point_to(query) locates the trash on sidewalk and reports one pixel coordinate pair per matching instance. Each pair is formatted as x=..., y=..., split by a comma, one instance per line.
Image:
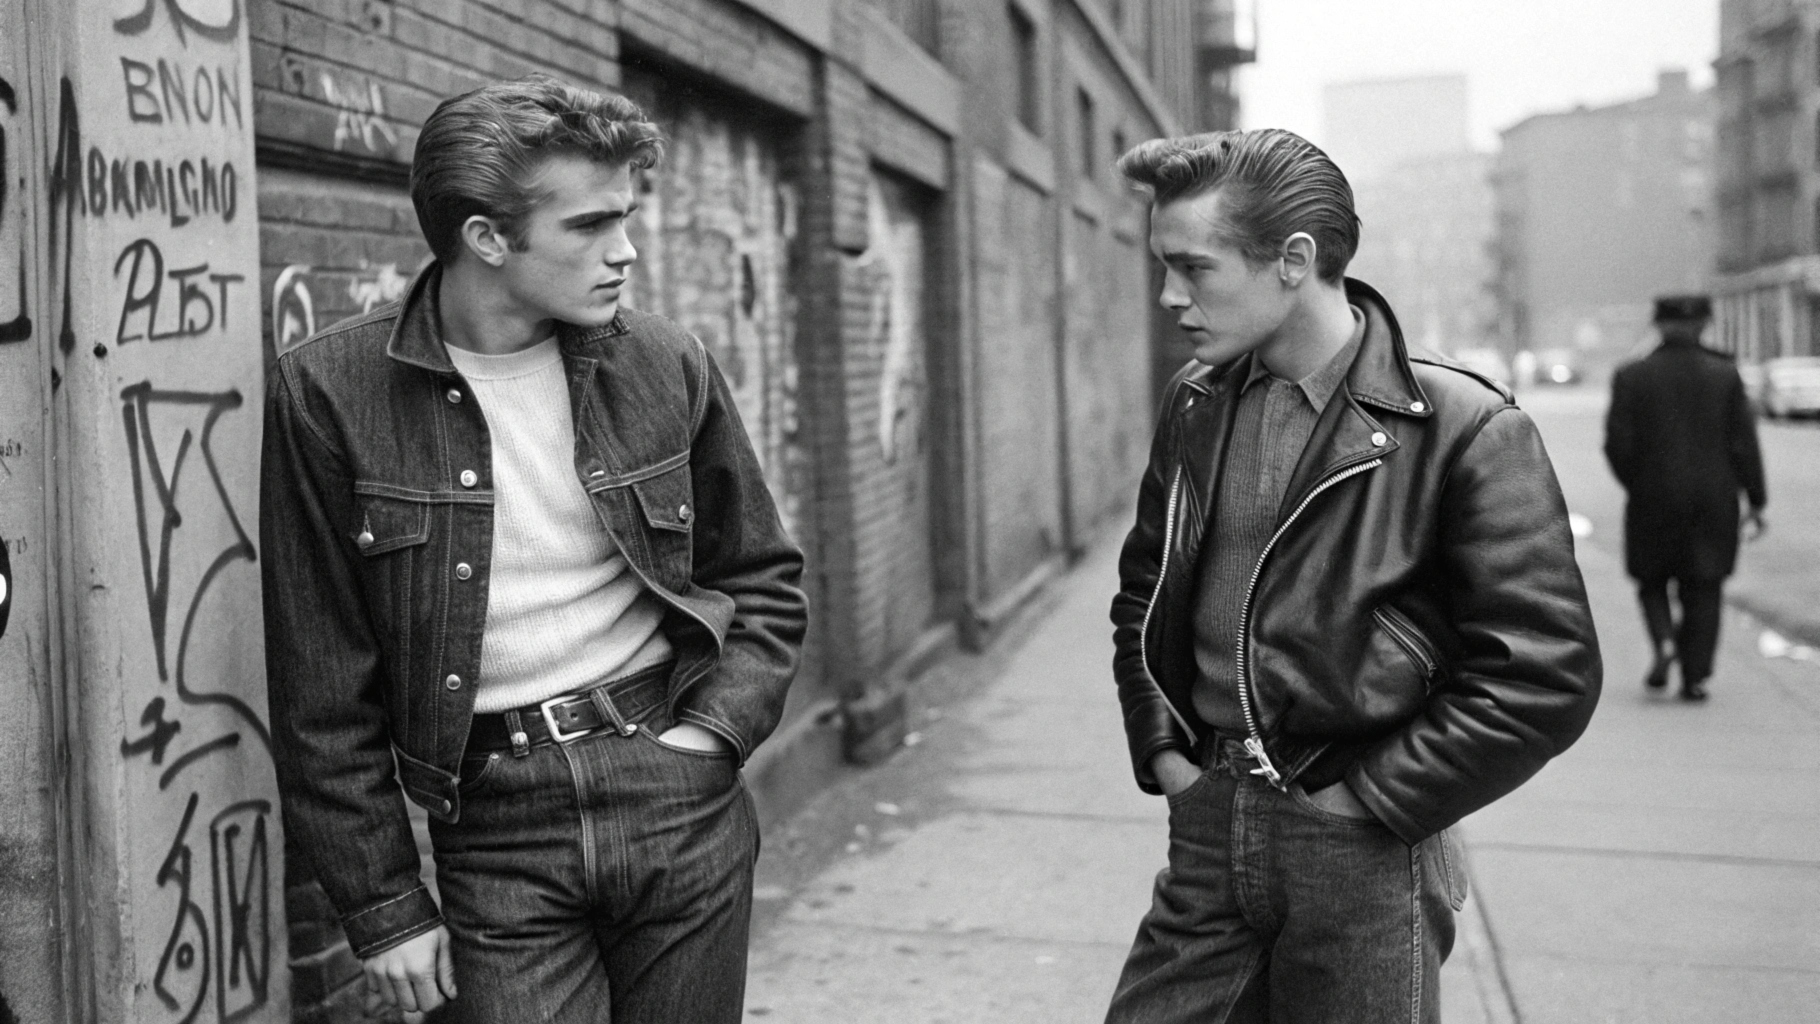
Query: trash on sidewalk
x=1771, y=644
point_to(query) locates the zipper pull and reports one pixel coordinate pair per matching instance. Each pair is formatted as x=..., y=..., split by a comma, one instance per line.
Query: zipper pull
x=1255, y=747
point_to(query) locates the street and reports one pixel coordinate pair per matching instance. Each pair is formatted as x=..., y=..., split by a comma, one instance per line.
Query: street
x=1667, y=868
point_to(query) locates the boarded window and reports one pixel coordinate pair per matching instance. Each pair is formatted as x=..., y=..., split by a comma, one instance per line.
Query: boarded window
x=1089, y=134
x=1029, y=96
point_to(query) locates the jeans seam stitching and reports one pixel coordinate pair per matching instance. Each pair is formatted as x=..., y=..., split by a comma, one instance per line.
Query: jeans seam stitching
x=1415, y=928
x=587, y=828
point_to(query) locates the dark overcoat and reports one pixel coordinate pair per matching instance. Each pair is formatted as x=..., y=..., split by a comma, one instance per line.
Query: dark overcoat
x=1682, y=441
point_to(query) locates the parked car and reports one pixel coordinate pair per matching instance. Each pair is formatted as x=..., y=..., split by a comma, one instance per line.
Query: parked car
x=1558, y=366
x=1790, y=386
x=1487, y=362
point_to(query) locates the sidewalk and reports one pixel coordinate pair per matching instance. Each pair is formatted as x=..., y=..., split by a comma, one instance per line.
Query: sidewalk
x=1663, y=870
x=996, y=871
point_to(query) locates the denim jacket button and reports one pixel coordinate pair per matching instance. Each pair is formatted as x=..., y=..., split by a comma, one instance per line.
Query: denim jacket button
x=453, y=682
x=454, y=396
x=463, y=570
x=469, y=478
x=685, y=513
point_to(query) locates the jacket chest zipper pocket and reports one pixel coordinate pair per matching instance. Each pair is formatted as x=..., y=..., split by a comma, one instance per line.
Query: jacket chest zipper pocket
x=1410, y=639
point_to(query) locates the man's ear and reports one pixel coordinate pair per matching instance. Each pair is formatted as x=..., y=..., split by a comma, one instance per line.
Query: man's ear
x=1299, y=254
x=486, y=239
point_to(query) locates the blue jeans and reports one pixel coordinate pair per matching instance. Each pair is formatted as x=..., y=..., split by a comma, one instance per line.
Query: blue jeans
x=1274, y=909
x=606, y=879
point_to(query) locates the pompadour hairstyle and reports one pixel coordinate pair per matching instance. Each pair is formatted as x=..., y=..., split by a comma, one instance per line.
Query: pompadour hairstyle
x=480, y=152
x=1272, y=184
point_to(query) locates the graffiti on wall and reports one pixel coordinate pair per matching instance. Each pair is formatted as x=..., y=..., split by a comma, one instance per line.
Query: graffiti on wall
x=18, y=327
x=893, y=268
x=893, y=275
x=715, y=225
x=153, y=166
x=295, y=297
x=359, y=114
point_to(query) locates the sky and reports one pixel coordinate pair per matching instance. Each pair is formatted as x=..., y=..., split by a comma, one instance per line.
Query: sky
x=1520, y=57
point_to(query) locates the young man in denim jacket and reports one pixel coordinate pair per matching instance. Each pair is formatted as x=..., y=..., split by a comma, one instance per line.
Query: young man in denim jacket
x=519, y=557
x=1348, y=615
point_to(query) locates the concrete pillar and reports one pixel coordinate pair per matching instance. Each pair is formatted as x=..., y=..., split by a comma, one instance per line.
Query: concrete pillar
x=132, y=408
x=31, y=908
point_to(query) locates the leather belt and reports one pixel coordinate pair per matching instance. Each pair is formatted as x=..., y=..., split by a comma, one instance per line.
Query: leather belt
x=570, y=716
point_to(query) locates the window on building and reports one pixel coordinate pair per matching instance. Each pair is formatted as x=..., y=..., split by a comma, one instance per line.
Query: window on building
x=1029, y=95
x=1083, y=104
x=920, y=19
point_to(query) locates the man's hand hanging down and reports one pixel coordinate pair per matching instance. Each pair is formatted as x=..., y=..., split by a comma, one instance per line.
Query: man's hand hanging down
x=416, y=976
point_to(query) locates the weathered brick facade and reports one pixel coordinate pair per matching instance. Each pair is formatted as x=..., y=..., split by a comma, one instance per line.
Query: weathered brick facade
x=935, y=317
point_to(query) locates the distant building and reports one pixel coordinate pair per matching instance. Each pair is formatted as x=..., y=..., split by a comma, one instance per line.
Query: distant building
x=1424, y=199
x=1768, y=179
x=1425, y=243
x=1371, y=127
x=1598, y=211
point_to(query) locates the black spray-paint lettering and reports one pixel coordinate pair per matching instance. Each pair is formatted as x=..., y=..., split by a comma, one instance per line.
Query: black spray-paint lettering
x=233, y=953
x=184, y=20
x=161, y=93
x=180, y=190
x=66, y=193
x=189, y=929
x=140, y=401
x=19, y=328
x=243, y=912
x=145, y=283
x=158, y=735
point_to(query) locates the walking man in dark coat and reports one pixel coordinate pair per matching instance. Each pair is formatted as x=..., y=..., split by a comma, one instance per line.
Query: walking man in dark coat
x=1680, y=438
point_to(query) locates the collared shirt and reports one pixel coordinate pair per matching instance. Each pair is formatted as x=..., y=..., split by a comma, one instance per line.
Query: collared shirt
x=1271, y=427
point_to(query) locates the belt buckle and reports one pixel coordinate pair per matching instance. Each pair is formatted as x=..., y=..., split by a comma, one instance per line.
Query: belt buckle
x=549, y=720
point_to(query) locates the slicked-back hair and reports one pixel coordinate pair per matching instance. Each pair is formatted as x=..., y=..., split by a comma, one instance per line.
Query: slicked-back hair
x=1272, y=184
x=480, y=153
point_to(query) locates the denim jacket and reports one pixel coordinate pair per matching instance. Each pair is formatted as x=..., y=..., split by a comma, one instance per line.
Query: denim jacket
x=377, y=484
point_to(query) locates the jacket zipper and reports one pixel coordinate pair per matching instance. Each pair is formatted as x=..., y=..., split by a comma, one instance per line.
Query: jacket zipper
x=1411, y=645
x=1162, y=573
x=1254, y=742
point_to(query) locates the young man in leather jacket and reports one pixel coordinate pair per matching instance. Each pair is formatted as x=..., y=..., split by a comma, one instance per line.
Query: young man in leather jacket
x=1348, y=615
x=520, y=559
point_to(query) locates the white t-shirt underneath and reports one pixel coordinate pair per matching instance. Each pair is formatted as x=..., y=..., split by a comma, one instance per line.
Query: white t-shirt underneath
x=564, y=609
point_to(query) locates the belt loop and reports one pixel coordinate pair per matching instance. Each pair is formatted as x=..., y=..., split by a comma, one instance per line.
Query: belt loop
x=515, y=726
x=604, y=704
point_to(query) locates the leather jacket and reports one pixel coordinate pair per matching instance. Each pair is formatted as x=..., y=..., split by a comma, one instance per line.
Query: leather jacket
x=376, y=527
x=1417, y=624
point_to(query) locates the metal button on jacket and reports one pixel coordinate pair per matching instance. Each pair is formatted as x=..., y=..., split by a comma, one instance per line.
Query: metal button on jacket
x=463, y=570
x=1417, y=406
x=685, y=513
x=453, y=682
x=469, y=478
x=454, y=396
x=1380, y=439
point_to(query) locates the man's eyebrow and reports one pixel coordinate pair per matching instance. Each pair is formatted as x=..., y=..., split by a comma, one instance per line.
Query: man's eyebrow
x=1182, y=255
x=591, y=215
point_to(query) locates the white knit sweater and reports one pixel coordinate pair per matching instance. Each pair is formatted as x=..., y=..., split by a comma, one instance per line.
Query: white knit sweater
x=564, y=610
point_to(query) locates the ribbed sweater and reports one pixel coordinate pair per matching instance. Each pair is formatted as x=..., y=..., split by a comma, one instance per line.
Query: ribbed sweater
x=564, y=610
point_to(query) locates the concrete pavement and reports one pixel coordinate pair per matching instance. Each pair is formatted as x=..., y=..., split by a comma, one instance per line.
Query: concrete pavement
x=996, y=871
x=1667, y=868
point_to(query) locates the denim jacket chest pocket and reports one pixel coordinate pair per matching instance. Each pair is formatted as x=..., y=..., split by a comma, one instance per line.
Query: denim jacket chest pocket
x=394, y=537
x=662, y=503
